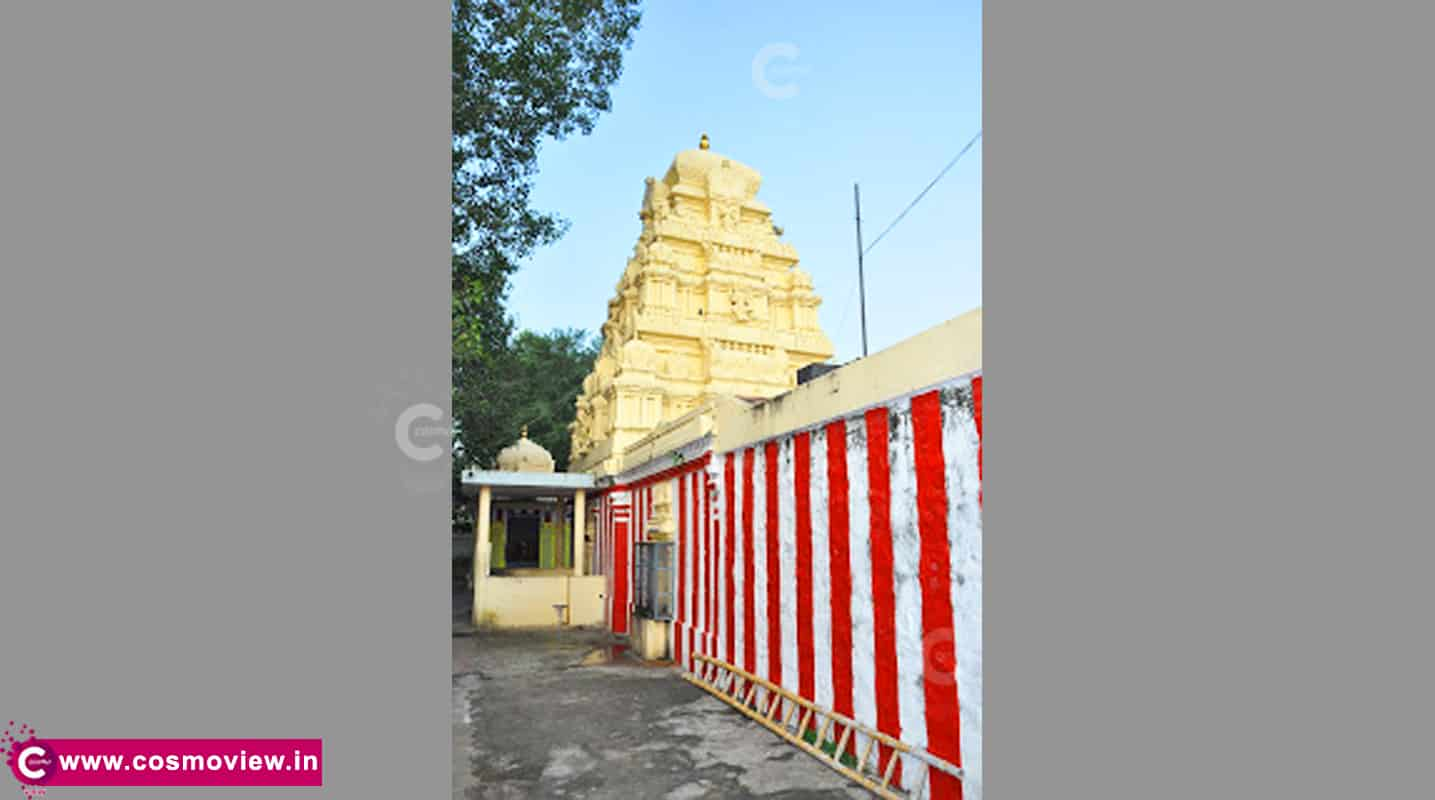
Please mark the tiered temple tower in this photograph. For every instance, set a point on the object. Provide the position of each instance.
(711, 303)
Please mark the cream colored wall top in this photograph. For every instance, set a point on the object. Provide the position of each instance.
(711, 303)
(949, 350)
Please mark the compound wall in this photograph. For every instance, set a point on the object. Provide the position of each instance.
(841, 558)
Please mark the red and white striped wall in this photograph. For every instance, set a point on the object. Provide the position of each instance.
(613, 556)
(842, 561)
(624, 511)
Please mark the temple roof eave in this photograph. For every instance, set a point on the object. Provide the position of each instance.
(549, 482)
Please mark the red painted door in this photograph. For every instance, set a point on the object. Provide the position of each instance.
(622, 576)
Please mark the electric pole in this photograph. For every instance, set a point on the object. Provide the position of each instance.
(861, 282)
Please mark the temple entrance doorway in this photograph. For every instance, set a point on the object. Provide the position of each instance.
(530, 543)
(521, 549)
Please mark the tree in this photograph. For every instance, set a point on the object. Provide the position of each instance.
(523, 70)
(543, 375)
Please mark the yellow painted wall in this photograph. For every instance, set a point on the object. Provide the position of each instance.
(650, 639)
(586, 601)
(668, 437)
(937, 354)
(527, 602)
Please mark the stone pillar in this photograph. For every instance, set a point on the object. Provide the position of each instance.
(482, 550)
(580, 517)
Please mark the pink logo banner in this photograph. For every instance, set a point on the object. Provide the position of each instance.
(167, 762)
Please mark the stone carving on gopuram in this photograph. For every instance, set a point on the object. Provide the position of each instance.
(711, 303)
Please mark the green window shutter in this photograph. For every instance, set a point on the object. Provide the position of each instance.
(498, 546)
(545, 546)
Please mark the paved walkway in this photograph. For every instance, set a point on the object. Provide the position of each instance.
(566, 714)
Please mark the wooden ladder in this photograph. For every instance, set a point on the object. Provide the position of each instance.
(831, 732)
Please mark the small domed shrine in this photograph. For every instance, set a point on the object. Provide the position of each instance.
(530, 543)
(525, 455)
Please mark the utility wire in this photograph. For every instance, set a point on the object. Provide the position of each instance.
(853, 291)
(919, 197)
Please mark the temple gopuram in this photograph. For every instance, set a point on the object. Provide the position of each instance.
(822, 535)
(711, 303)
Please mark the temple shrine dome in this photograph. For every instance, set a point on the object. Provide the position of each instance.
(706, 170)
(525, 455)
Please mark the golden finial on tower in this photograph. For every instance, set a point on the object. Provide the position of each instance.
(523, 432)
(703, 142)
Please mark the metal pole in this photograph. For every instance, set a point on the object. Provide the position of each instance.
(861, 281)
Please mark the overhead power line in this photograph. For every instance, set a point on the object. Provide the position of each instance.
(861, 251)
(923, 193)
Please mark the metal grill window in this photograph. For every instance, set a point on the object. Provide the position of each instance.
(654, 574)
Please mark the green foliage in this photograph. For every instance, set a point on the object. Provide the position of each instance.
(481, 329)
(544, 376)
(829, 747)
(523, 70)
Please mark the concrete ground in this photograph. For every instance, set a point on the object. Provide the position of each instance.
(569, 714)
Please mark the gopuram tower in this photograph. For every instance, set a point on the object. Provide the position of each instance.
(711, 303)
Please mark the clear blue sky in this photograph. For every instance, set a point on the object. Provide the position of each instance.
(885, 95)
